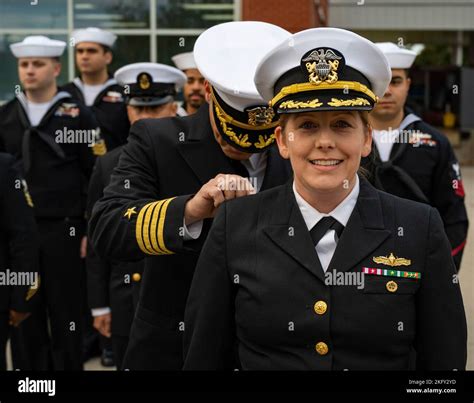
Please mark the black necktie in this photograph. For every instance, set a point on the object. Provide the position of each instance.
(323, 226)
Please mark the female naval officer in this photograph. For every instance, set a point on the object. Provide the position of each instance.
(326, 272)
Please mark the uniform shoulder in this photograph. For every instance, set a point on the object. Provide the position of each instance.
(164, 128)
(7, 106)
(248, 203)
(409, 207)
(110, 158)
(68, 87)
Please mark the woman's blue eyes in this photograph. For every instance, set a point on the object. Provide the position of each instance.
(341, 124)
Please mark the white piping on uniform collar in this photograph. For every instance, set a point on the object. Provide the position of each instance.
(408, 120)
(24, 100)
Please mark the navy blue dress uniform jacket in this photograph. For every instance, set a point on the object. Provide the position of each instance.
(111, 283)
(258, 281)
(427, 171)
(110, 112)
(54, 163)
(18, 237)
(165, 162)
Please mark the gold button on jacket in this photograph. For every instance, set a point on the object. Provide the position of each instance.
(322, 348)
(392, 286)
(320, 307)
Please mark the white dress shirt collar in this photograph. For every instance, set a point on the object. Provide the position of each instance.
(341, 213)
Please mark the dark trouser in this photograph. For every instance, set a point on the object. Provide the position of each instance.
(4, 329)
(119, 344)
(30, 343)
(62, 284)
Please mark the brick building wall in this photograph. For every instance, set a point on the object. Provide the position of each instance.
(292, 15)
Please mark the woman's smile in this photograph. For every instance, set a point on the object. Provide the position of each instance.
(326, 164)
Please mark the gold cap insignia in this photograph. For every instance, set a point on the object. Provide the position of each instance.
(260, 115)
(392, 261)
(144, 81)
(322, 65)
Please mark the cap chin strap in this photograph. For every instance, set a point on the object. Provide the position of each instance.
(340, 85)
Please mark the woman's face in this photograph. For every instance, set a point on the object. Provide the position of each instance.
(325, 149)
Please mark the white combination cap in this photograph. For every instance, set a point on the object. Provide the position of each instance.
(227, 55)
(150, 83)
(323, 69)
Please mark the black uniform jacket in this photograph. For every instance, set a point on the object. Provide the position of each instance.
(18, 240)
(109, 110)
(165, 162)
(425, 169)
(258, 280)
(54, 156)
(111, 283)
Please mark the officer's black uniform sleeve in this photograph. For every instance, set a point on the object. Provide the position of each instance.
(17, 220)
(209, 336)
(98, 269)
(441, 323)
(134, 219)
(448, 198)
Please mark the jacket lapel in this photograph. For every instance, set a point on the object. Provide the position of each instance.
(201, 151)
(290, 233)
(364, 232)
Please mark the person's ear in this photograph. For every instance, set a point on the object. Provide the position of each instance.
(108, 57)
(367, 147)
(132, 115)
(207, 88)
(282, 142)
(57, 69)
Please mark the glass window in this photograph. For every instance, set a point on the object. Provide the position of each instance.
(168, 46)
(193, 13)
(109, 14)
(46, 14)
(130, 49)
(9, 69)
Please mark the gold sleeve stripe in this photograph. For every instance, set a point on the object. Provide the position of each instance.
(149, 228)
(161, 226)
(153, 228)
(146, 228)
(139, 229)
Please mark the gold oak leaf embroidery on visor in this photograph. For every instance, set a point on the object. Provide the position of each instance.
(348, 102)
(300, 104)
(243, 139)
